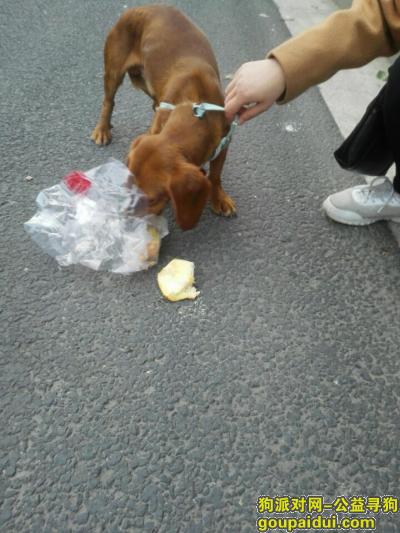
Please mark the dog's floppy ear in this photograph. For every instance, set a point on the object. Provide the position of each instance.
(189, 191)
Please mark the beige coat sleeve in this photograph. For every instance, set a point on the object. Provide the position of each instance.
(349, 38)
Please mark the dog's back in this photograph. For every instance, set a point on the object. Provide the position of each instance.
(160, 40)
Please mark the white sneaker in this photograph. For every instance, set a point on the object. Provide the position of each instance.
(364, 204)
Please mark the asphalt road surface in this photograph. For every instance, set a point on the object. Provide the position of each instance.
(123, 412)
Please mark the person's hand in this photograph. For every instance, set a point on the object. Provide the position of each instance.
(255, 87)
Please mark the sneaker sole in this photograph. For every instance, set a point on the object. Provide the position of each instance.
(350, 217)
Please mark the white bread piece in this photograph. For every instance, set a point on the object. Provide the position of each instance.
(176, 281)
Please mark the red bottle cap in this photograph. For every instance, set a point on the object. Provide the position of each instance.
(77, 182)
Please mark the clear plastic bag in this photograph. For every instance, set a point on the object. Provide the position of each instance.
(92, 219)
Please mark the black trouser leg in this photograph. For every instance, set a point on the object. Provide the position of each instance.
(391, 114)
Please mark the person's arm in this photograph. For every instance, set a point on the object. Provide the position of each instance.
(347, 39)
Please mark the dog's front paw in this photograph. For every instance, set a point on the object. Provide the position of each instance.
(222, 204)
(101, 135)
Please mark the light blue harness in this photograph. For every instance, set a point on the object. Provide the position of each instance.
(199, 110)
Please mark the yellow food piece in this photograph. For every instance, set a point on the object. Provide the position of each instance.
(153, 247)
(176, 281)
(150, 253)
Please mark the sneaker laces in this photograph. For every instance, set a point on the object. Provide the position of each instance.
(372, 188)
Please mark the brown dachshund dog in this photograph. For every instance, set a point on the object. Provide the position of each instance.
(171, 60)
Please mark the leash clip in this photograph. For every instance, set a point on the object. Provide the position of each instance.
(199, 110)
